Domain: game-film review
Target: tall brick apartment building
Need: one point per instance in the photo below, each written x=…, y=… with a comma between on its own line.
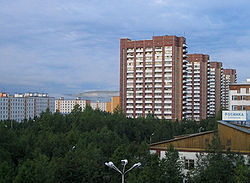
x=153, y=77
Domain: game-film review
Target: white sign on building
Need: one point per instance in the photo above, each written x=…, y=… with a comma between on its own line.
x=234, y=115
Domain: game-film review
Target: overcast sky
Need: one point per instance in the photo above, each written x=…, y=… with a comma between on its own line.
x=72, y=46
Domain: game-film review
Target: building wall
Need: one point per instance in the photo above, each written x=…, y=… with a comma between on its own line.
x=229, y=78
x=108, y=107
x=234, y=139
x=115, y=101
x=190, y=143
x=151, y=76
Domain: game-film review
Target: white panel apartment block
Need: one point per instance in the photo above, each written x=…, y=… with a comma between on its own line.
x=3, y=108
x=25, y=106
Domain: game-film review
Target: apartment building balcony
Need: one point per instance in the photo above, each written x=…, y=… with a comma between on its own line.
x=130, y=86
x=139, y=81
x=130, y=56
x=168, y=70
x=138, y=112
x=167, y=75
x=148, y=76
x=168, y=92
x=139, y=66
x=138, y=96
x=129, y=107
x=149, y=66
x=129, y=111
x=158, y=107
x=168, y=59
x=169, y=106
x=158, y=70
x=167, y=97
x=130, y=76
x=138, y=101
x=158, y=75
x=149, y=49
x=148, y=101
x=148, y=106
x=139, y=50
x=130, y=81
x=139, y=71
x=185, y=56
x=167, y=101
x=148, y=70
x=148, y=91
x=130, y=71
x=168, y=64
x=184, y=46
x=158, y=97
x=130, y=101
x=158, y=64
x=158, y=49
x=148, y=96
x=130, y=50
x=158, y=81
x=130, y=96
x=158, y=86
x=168, y=55
x=138, y=107
x=158, y=101
x=139, y=86
x=138, y=92
x=139, y=55
x=158, y=91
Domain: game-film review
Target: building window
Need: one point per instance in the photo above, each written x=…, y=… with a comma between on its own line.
x=189, y=164
x=207, y=142
x=228, y=142
x=234, y=97
x=234, y=107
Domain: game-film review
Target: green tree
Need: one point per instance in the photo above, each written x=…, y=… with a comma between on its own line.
x=171, y=167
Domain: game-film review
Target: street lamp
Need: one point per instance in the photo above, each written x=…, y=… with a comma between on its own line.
x=124, y=163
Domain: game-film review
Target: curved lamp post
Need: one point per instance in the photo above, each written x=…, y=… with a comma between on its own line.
x=124, y=163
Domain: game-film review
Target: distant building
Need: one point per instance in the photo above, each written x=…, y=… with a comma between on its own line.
x=239, y=96
x=230, y=77
x=152, y=77
x=66, y=106
x=198, y=73
x=216, y=88
x=24, y=106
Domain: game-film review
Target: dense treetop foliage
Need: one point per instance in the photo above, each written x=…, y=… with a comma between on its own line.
x=74, y=148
